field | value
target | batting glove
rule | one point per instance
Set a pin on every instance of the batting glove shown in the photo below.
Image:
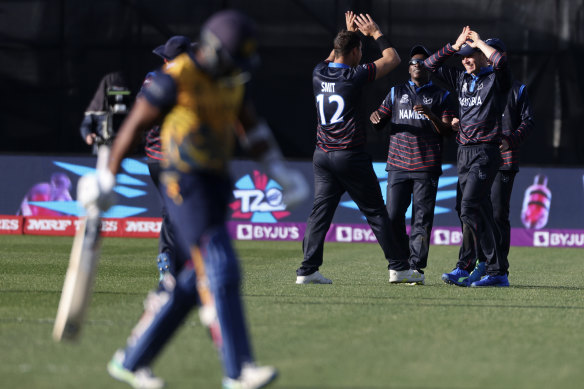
(97, 190)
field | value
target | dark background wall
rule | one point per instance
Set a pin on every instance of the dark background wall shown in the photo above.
(54, 52)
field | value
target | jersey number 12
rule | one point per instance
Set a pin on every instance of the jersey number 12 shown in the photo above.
(337, 118)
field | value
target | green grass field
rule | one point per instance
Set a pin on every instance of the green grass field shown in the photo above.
(360, 332)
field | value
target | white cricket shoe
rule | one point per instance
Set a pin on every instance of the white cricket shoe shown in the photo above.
(409, 276)
(252, 377)
(140, 379)
(314, 278)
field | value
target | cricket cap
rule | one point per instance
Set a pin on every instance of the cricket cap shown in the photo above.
(176, 45)
(419, 49)
(466, 50)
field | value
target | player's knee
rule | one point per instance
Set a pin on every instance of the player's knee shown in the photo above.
(221, 262)
(394, 214)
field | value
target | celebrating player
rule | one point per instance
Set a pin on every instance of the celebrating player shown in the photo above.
(482, 92)
(340, 161)
(420, 114)
(201, 97)
(517, 124)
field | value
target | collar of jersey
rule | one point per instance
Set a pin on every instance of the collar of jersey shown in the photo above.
(338, 65)
(426, 85)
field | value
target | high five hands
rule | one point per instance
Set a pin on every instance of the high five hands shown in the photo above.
(363, 23)
(467, 36)
(462, 38)
(350, 21)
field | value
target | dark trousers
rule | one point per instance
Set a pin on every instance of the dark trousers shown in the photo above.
(166, 241)
(419, 189)
(198, 209)
(477, 167)
(335, 173)
(501, 200)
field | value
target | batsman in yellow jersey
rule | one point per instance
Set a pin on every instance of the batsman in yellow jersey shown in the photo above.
(201, 99)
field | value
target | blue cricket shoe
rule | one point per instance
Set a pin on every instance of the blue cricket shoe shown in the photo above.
(479, 272)
(456, 277)
(491, 281)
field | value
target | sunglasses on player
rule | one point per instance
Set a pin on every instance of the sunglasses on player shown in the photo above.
(416, 61)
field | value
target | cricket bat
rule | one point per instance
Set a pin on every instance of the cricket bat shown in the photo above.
(81, 271)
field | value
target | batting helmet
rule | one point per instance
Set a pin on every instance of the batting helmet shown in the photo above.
(228, 42)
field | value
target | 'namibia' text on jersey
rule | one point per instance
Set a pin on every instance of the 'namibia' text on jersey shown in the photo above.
(414, 144)
(338, 90)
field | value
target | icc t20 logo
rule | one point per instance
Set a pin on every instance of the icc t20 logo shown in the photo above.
(258, 199)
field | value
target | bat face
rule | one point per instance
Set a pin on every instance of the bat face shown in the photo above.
(79, 279)
(81, 272)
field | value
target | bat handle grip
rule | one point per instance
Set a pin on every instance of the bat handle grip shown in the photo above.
(103, 154)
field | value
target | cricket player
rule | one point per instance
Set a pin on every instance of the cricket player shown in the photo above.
(340, 161)
(420, 114)
(166, 259)
(518, 124)
(482, 93)
(200, 97)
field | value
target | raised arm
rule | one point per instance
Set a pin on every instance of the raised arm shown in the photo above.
(498, 60)
(478, 43)
(389, 57)
(462, 38)
(435, 62)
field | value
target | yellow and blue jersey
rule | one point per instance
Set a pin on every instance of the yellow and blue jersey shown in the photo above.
(198, 131)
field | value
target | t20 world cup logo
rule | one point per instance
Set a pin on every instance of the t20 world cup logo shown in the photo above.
(258, 199)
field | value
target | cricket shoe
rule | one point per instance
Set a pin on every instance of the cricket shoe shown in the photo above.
(140, 379)
(314, 278)
(491, 281)
(479, 272)
(456, 277)
(410, 276)
(252, 377)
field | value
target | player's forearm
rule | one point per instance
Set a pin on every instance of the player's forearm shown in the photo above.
(435, 61)
(255, 146)
(389, 57)
(120, 148)
(443, 127)
(380, 118)
(142, 116)
(85, 128)
(487, 50)
(521, 132)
